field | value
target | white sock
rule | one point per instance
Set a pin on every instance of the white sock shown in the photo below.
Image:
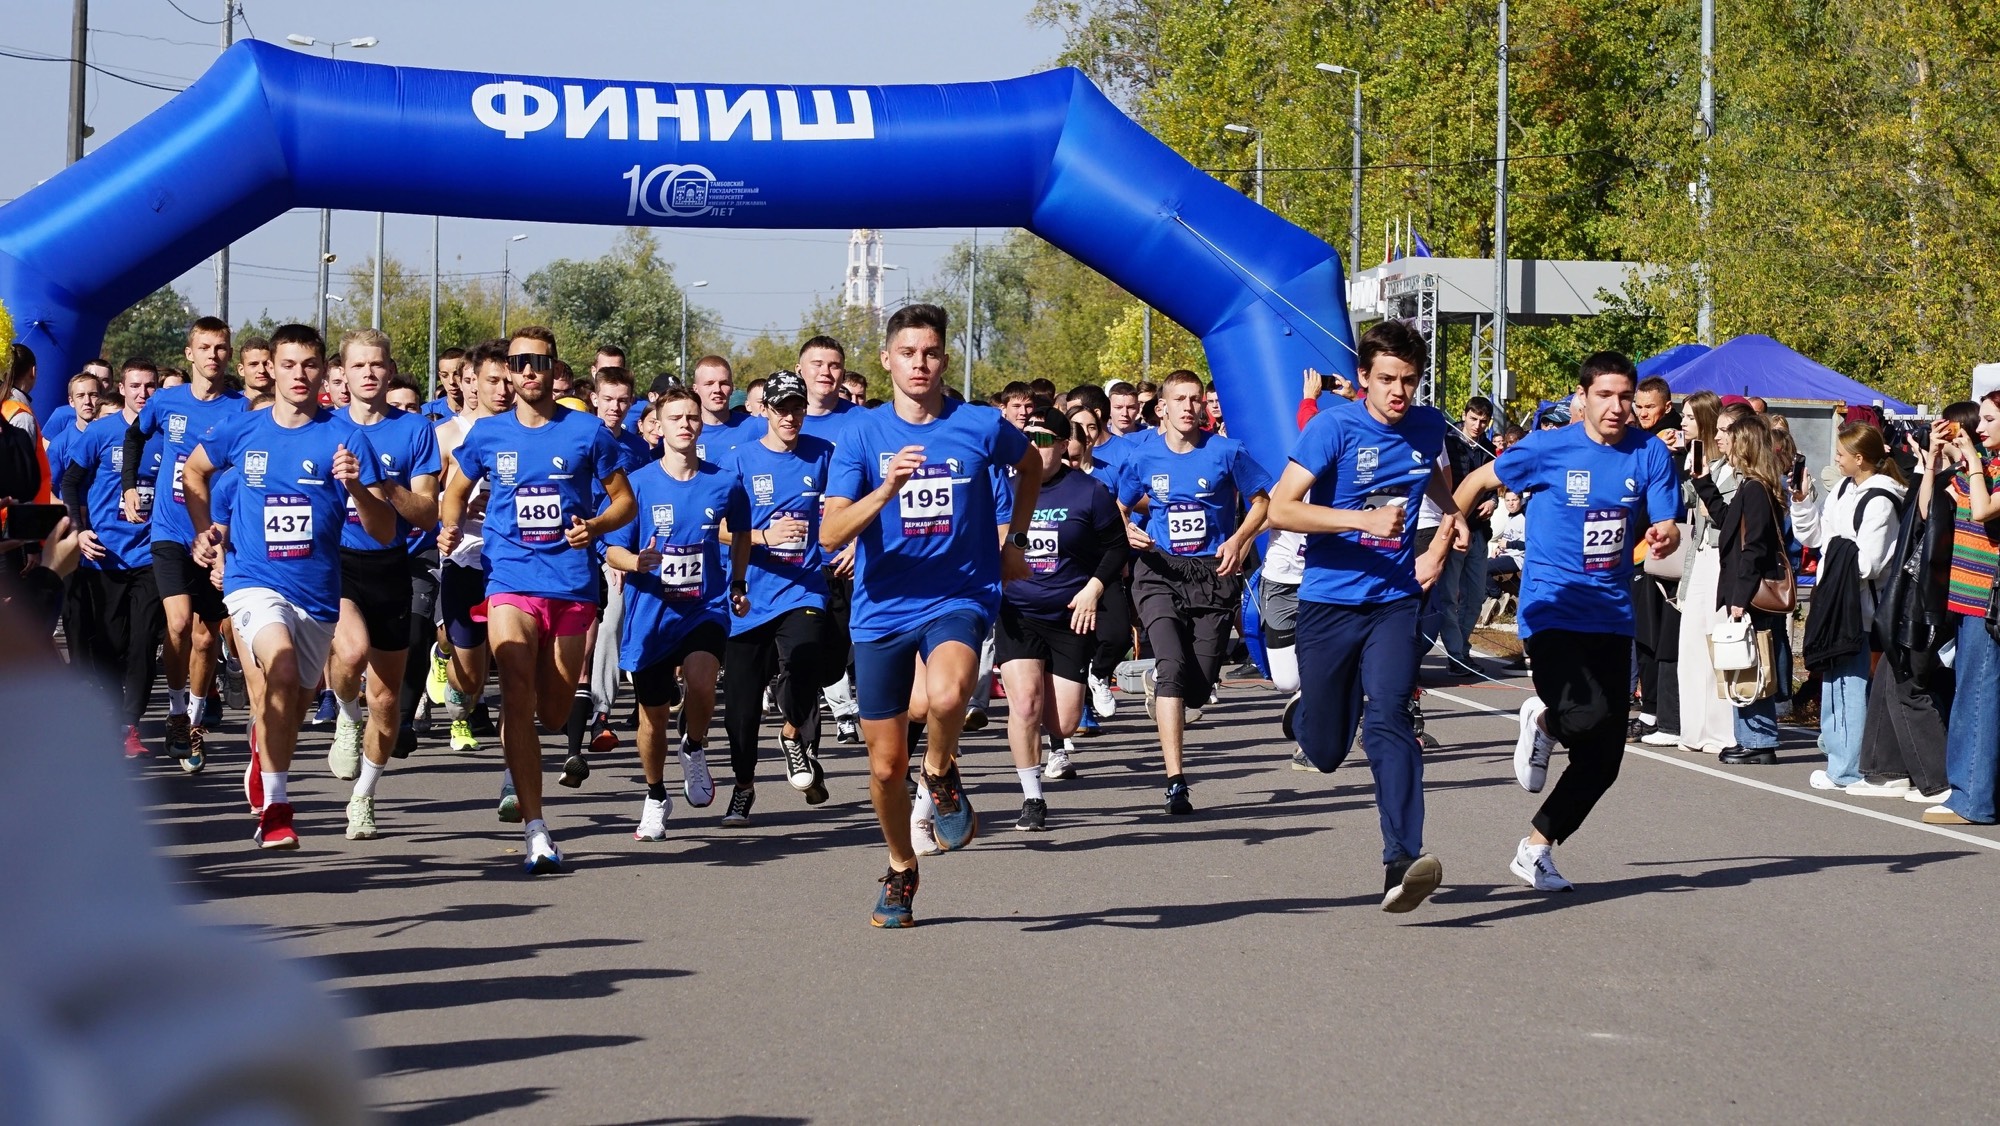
(1031, 781)
(537, 825)
(197, 710)
(1649, 720)
(350, 710)
(364, 786)
(274, 786)
(924, 808)
(1069, 746)
(177, 701)
(506, 776)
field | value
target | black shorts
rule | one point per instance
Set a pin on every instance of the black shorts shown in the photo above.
(378, 583)
(654, 685)
(1065, 652)
(176, 573)
(459, 590)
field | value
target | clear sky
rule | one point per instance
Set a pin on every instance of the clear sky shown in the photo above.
(755, 278)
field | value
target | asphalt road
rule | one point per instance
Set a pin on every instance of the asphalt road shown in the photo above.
(1734, 952)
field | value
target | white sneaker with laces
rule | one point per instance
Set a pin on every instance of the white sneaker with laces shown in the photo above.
(542, 855)
(1536, 866)
(1661, 739)
(343, 759)
(1103, 698)
(1893, 788)
(1058, 767)
(922, 837)
(653, 820)
(1532, 747)
(696, 785)
(1925, 799)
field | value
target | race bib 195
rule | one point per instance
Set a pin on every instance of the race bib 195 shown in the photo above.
(538, 513)
(925, 502)
(288, 526)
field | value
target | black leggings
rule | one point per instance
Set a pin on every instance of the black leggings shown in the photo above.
(423, 630)
(804, 651)
(1583, 678)
(1114, 629)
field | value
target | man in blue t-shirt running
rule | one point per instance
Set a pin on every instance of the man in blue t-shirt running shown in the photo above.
(912, 487)
(1590, 490)
(1356, 473)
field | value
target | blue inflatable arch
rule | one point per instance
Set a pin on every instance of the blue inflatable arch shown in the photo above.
(268, 129)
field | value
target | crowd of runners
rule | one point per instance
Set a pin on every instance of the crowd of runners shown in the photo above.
(303, 530)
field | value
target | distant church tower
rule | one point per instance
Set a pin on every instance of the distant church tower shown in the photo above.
(864, 274)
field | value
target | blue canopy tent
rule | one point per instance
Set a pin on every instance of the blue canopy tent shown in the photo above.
(1671, 359)
(1758, 365)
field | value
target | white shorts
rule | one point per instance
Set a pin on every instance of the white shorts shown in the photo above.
(253, 609)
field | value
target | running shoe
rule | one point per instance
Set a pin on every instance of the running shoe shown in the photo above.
(510, 805)
(696, 784)
(1658, 738)
(1532, 747)
(406, 741)
(481, 718)
(211, 711)
(798, 765)
(1536, 866)
(653, 819)
(846, 730)
(1180, 801)
(438, 684)
(923, 836)
(1034, 815)
(741, 799)
(604, 740)
(575, 770)
(816, 793)
(196, 759)
(975, 718)
(253, 786)
(956, 824)
(892, 907)
(1086, 725)
(1425, 740)
(1821, 780)
(361, 817)
(178, 737)
(1151, 704)
(1301, 762)
(420, 718)
(540, 855)
(1408, 882)
(1190, 714)
(1103, 697)
(770, 704)
(235, 690)
(133, 747)
(274, 827)
(328, 708)
(462, 739)
(1059, 768)
(1637, 729)
(343, 758)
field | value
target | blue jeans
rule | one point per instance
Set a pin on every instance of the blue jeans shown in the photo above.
(1757, 725)
(1972, 741)
(1843, 713)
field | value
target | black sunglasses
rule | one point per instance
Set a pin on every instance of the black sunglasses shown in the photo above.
(540, 361)
(1042, 438)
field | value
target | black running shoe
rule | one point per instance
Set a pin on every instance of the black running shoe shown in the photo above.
(1180, 802)
(798, 765)
(740, 800)
(846, 731)
(1034, 812)
(1427, 742)
(481, 721)
(575, 770)
(893, 907)
(406, 741)
(816, 793)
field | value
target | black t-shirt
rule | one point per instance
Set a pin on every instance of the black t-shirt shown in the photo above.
(1073, 515)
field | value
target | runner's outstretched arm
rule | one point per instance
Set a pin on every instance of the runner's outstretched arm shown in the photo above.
(1290, 511)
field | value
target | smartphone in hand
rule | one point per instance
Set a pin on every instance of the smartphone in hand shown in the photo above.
(1699, 458)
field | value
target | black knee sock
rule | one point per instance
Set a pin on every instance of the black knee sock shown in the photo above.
(579, 720)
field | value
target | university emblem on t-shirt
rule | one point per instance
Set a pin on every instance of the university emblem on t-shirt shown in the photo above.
(1161, 484)
(1366, 459)
(663, 519)
(118, 458)
(764, 487)
(177, 427)
(1579, 486)
(254, 464)
(506, 464)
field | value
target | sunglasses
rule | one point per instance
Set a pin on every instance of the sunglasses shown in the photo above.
(540, 361)
(1042, 438)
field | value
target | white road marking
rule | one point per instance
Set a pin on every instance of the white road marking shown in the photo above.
(1753, 783)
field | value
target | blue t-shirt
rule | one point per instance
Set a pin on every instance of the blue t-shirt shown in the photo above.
(1587, 506)
(437, 410)
(1072, 513)
(185, 421)
(1107, 461)
(61, 418)
(1359, 463)
(61, 451)
(682, 520)
(405, 448)
(100, 452)
(1195, 495)
(540, 478)
(934, 550)
(289, 514)
(781, 577)
(831, 426)
(716, 442)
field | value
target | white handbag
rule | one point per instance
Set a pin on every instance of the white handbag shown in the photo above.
(1730, 648)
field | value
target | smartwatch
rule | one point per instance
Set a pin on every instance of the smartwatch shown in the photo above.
(1019, 539)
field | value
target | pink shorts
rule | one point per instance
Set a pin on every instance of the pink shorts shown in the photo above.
(555, 617)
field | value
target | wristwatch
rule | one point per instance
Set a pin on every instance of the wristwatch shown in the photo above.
(739, 586)
(1019, 539)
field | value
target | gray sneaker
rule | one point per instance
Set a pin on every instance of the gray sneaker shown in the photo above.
(343, 759)
(361, 817)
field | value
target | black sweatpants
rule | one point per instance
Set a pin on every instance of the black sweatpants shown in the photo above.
(1647, 605)
(130, 623)
(1904, 733)
(1583, 678)
(423, 629)
(1187, 611)
(805, 650)
(1114, 629)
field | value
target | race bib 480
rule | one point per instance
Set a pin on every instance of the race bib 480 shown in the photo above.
(538, 513)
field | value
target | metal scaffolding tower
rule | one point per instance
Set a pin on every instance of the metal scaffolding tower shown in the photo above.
(864, 274)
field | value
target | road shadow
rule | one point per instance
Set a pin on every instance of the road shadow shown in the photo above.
(453, 1109)
(406, 996)
(409, 1059)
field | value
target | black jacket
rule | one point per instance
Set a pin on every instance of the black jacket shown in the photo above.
(1911, 620)
(1753, 546)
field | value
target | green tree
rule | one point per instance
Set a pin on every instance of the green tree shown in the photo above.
(629, 297)
(156, 329)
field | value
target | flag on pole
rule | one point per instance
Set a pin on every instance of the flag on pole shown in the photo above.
(1418, 247)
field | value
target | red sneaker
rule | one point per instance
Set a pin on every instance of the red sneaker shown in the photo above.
(605, 739)
(253, 787)
(274, 827)
(133, 747)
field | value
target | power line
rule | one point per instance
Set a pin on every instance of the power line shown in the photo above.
(16, 54)
(195, 18)
(154, 38)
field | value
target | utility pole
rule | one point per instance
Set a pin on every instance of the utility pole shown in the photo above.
(79, 43)
(971, 299)
(375, 314)
(222, 258)
(432, 392)
(1705, 315)
(1354, 206)
(325, 261)
(1500, 223)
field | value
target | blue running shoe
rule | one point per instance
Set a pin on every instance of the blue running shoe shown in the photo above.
(323, 717)
(1086, 728)
(543, 856)
(956, 824)
(893, 907)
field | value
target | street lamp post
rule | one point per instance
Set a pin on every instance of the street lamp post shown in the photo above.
(333, 47)
(507, 277)
(1354, 205)
(1259, 134)
(684, 327)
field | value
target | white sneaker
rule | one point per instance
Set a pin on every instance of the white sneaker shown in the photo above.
(1820, 781)
(541, 854)
(1532, 747)
(653, 820)
(343, 759)
(922, 837)
(1536, 865)
(1058, 767)
(1894, 788)
(1103, 698)
(1922, 798)
(696, 784)
(1661, 739)
(1190, 715)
